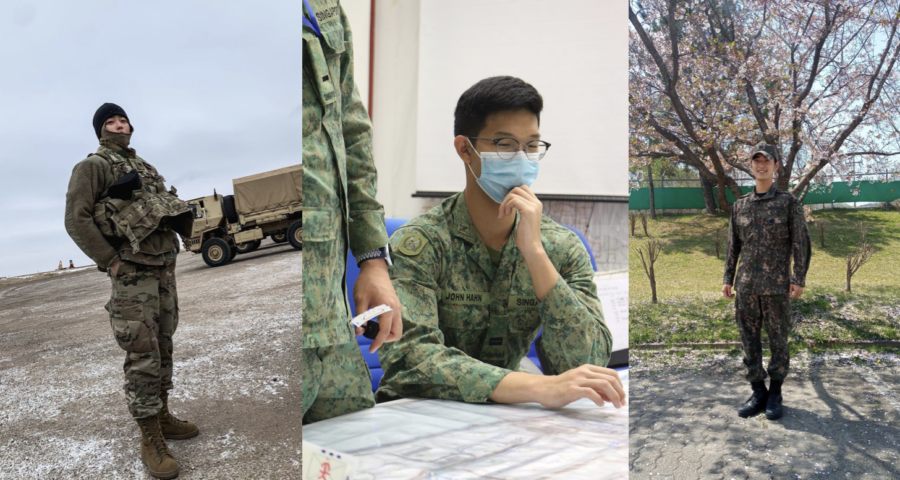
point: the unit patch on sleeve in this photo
(412, 243)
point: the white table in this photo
(436, 439)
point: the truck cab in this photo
(208, 216)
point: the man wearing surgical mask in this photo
(479, 275)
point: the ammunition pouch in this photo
(143, 213)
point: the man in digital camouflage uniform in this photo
(767, 228)
(339, 210)
(121, 216)
(480, 274)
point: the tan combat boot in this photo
(173, 428)
(154, 452)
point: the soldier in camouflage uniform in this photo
(339, 210)
(767, 228)
(480, 274)
(138, 253)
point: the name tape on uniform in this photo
(369, 314)
(523, 302)
(466, 298)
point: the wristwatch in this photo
(383, 252)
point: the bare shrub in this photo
(862, 253)
(649, 255)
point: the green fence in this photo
(838, 192)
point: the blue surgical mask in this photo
(499, 176)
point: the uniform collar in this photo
(461, 222)
(461, 226)
(118, 149)
(767, 196)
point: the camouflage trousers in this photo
(143, 313)
(773, 311)
(336, 381)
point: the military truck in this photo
(264, 205)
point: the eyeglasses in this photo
(507, 147)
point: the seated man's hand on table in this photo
(598, 384)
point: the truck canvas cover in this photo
(269, 190)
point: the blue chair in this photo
(391, 225)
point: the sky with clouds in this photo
(212, 88)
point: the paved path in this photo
(237, 373)
(841, 421)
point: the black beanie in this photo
(104, 112)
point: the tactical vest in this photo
(151, 208)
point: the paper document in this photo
(321, 463)
(369, 314)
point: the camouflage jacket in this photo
(339, 178)
(91, 178)
(466, 324)
(764, 233)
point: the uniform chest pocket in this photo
(776, 225)
(526, 320)
(463, 326)
(523, 314)
(466, 309)
(743, 225)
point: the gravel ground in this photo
(237, 373)
(841, 418)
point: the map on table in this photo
(444, 440)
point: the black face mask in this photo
(122, 139)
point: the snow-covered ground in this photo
(237, 373)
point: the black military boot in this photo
(773, 406)
(757, 403)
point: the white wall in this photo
(358, 12)
(427, 53)
(573, 52)
(395, 103)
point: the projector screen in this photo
(575, 53)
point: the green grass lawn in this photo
(689, 283)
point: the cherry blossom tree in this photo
(818, 79)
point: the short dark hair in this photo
(491, 95)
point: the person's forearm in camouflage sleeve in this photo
(84, 187)
(575, 332)
(367, 231)
(732, 251)
(801, 246)
(419, 364)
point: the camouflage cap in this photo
(765, 149)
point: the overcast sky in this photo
(212, 88)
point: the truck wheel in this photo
(295, 235)
(279, 237)
(247, 247)
(229, 208)
(216, 252)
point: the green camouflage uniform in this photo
(339, 210)
(764, 233)
(467, 323)
(143, 308)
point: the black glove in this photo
(125, 186)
